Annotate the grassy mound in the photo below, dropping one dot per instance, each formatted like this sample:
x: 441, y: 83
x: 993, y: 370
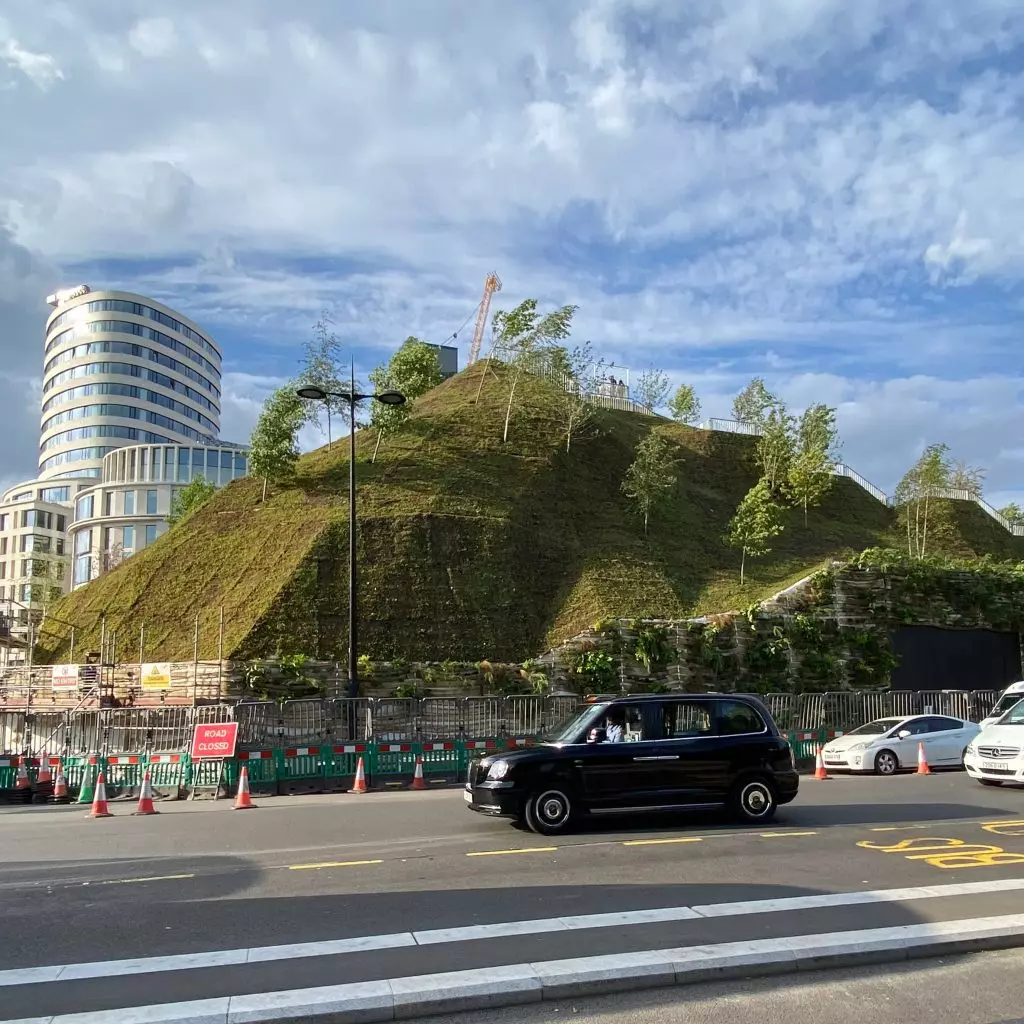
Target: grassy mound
x: 470, y: 547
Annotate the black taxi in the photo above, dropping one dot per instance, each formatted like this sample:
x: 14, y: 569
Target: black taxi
x: 646, y: 753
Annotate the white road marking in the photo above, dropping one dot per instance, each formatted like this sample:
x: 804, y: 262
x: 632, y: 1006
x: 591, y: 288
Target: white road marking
x: 626, y: 918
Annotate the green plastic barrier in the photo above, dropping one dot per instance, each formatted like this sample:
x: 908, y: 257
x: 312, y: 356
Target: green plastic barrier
x: 393, y: 766
x: 444, y: 761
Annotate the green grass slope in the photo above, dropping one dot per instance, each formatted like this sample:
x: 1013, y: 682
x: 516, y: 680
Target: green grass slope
x: 469, y: 547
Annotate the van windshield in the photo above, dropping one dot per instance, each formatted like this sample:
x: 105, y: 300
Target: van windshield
x: 1007, y: 701
x: 1016, y: 714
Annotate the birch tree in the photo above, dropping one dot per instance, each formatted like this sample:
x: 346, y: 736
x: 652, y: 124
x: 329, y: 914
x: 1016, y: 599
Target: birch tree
x: 753, y: 403
x: 321, y: 368
x: 650, y: 479
x: 776, y: 446
x: 652, y: 389
x: 756, y: 523
x: 685, y: 405
x: 413, y: 370
x: 273, y: 447
x: 577, y: 380
x: 810, y: 475
x: 916, y: 493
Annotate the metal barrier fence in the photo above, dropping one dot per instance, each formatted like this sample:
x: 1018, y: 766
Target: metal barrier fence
x: 340, y: 721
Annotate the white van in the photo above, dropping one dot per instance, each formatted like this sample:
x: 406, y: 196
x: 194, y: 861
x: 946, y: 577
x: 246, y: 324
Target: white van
x: 1007, y: 699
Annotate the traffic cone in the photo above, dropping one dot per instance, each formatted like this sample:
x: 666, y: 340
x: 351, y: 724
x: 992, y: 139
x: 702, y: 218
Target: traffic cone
x: 44, y: 775
x: 360, y: 784
x: 21, y: 780
x: 418, y: 782
x: 146, y: 797
x: 819, y: 767
x: 243, y: 802
x: 922, y: 761
x: 99, y: 803
x: 88, y: 789
x: 60, y: 787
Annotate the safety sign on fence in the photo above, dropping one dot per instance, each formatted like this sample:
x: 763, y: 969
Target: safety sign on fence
x: 156, y: 676
x: 214, y: 740
x: 64, y: 677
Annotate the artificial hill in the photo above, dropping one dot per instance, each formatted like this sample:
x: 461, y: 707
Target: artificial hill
x: 471, y: 548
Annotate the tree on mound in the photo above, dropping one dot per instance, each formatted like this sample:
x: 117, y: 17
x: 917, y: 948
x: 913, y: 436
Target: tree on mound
x: 274, y: 446
x: 649, y: 480
x: 758, y: 521
x: 189, y: 499
x: 413, y: 370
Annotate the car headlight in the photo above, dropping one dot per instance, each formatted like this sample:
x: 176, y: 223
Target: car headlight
x: 971, y: 749
x: 859, y: 746
x: 498, y: 770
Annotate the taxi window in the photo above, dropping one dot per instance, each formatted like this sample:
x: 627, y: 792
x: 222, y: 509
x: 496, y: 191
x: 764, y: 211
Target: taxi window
x: 686, y: 719
x: 738, y: 719
x: 622, y: 723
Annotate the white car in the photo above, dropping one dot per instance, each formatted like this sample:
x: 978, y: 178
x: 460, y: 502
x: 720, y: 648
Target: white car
x: 996, y: 755
x: 889, y: 744
x: 1007, y: 699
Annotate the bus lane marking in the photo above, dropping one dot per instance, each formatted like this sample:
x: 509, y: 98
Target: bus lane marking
x: 948, y: 854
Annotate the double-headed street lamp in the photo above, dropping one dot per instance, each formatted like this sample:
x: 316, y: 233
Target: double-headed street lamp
x: 353, y: 398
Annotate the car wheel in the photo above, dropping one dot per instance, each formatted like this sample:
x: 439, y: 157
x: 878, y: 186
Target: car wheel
x: 754, y: 800
x: 549, y: 811
x: 990, y: 782
x: 886, y: 763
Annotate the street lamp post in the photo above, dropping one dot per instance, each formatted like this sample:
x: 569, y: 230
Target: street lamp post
x: 353, y: 398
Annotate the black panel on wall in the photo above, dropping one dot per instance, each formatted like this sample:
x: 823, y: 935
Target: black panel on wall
x: 954, y: 659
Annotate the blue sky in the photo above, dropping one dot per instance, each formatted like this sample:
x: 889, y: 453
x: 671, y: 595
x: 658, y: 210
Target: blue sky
x: 827, y: 195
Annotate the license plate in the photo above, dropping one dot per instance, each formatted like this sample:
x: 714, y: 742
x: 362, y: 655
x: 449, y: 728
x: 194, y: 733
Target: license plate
x: 467, y: 796
x: 998, y: 766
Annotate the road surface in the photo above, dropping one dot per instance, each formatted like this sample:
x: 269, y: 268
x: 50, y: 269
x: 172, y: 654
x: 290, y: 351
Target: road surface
x: 397, y: 872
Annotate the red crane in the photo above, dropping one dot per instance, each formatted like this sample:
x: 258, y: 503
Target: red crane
x: 491, y: 285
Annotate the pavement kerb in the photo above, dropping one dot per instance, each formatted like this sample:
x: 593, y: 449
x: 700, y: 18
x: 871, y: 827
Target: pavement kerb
x: 406, y: 998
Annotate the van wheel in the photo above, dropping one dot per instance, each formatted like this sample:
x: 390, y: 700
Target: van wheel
x: 753, y: 800
x: 886, y: 763
x: 549, y: 811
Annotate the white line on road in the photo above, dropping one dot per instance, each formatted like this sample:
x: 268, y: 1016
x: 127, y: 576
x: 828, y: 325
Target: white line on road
x: 359, y: 944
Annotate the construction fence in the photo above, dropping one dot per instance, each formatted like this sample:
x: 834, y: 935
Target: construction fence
x: 315, y: 745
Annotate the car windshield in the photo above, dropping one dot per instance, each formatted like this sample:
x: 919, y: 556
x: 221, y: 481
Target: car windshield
x: 1015, y: 716
x: 570, y: 727
x: 875, y: 728
x: 1007, y: 701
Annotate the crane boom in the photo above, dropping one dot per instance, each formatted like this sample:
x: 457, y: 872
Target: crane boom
x: 491, y: 285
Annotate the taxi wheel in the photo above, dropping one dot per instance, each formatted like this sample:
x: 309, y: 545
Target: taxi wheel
x: 549, y: 811
x: 886, y: 763
x: 753, y: 800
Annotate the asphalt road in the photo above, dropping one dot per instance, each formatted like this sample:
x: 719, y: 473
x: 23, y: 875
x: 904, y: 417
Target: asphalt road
x: 201, y: 877
x: 979, y: 989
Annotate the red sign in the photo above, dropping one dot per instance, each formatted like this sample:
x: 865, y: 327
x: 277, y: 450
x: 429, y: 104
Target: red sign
x: 217, y: 740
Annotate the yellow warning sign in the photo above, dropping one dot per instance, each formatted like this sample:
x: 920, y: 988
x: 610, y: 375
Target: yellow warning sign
x: 156, y: 676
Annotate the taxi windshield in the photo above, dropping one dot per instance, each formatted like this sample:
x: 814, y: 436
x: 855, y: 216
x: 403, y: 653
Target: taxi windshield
x: 569, y: 728
x: 875, y: 728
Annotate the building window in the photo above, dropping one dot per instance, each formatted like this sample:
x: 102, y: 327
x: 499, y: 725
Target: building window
x: 3, y: 545
x: 55, y: 494
x: 183, y: 472
x: 25, y: 593
x: 150, y: 534
x: 34, y: 542
x: 128, y: 543
x: 83, y: 542
x: 150, y: 503
x: 84, y: 508
x: 59, y: 546
x: 225, y: 461
x: 108, y: 503
x: 240, y: 465
x: 3, y: 520
x: 83, y: 569
x: 3, y: 570
x: 33, y: 517
x: 129, y: 503
x: 22, y: 496
x: 62, y: 524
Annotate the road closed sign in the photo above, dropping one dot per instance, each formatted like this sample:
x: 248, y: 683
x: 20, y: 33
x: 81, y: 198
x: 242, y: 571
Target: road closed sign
x: 216, y: 740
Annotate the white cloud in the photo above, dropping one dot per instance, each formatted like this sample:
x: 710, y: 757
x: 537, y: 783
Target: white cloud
x: 791, y: 187
x: 40, y: 68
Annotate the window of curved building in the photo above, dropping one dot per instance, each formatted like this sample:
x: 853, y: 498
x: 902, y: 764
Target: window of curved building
x: 76, y: 455
x: 103, y: 430
x: 127, y: 370
x: 127, y: 348
x: 134, y: 391
x: 137, y: 309
x: 131, y: 412
x: 126, y: 327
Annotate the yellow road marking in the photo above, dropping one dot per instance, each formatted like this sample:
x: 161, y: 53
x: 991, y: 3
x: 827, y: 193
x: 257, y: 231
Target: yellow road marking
x: 504, y: 853
x: 659, y: 842
x: 1005, y: 828
x: 333, y: 864
x: 784, y: 835
x: 127, y: 881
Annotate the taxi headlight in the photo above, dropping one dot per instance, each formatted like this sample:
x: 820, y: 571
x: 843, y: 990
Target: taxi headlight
x: 498, y: 770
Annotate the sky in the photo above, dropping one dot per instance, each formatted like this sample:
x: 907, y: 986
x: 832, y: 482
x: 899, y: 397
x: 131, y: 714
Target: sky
x: 828, y: 195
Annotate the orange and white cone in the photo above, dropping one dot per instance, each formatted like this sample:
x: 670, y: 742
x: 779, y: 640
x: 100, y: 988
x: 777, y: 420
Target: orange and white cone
x: 418, y: 782
x: 21, y: 779
x: 922, y: 761
x: 359, y: 786
x: 99, y: 800
x: 243, y: 802
x: 44, y: 775
x: 146, y: 797
x: 60, y: 786
x: 819, y: 767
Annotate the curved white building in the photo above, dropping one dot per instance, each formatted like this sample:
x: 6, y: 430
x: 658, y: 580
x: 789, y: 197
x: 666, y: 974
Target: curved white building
x: 121, y: 369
